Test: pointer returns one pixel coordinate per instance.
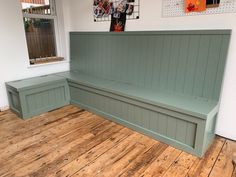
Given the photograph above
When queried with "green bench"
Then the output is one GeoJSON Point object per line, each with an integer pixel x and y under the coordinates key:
{"type": "Point", "coordinates": [163, 84]}
{"type": "Point", "coordinates": [191, 106]}
{"type": "Point", "coordinates": [187, 124]}
{"type": "Point", "coordinates": [30, 97]}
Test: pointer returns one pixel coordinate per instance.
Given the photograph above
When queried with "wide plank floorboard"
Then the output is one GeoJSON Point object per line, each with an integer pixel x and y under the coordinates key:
{"type": "Point", "coordinates": [73, 142]}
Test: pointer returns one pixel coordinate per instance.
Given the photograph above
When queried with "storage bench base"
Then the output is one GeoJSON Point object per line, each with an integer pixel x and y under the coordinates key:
{"type": "Point", "coordinates": [182, 131]}
{"type": "Point", "coordinates": [37, 98]}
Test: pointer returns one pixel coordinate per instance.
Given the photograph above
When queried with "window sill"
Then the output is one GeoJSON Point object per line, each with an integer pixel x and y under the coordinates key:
{"type": "Point", "coordinates": [45, 60]}
{"type": "Point", "coordinates": [47, 64]}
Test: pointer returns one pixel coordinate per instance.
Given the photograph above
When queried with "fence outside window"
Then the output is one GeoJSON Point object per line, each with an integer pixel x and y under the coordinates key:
{"type": "Point", "coordinates": [40, 24]}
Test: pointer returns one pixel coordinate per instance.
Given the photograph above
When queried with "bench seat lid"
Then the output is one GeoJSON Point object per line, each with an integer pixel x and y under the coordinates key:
{"type": "Point", "coordinates": [190, 105]}
{"type": "Point", "coordinates": [34, 82]}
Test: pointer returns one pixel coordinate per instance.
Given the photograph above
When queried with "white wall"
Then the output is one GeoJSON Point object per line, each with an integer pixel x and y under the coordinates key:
{"type": "Point", "coordinates": [14, 63]}
{"type": "Point", "coordinates": [151, 19]}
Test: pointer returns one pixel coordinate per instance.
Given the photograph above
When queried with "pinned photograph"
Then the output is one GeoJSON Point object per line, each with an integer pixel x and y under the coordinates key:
{"type": "Point", "coordinates": [212, 3]}
{"type": "Point", "coordinates": [130, 9]}
{"type": "Point", "coordinates": [101, 8]}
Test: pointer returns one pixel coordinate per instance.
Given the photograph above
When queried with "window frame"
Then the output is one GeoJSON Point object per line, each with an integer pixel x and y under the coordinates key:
{"type": "Point", "coordinates": [52, 16]}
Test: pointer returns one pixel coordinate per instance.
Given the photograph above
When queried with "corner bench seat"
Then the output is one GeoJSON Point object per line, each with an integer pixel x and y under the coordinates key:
{"type": "Point", "coordinates": [198, 107]}
{"type": "Point", "coordinates": [165, 84]}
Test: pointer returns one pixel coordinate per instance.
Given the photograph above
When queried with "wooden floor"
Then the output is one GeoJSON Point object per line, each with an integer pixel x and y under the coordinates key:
{"type": "Point", "coordinates": [73, 142]}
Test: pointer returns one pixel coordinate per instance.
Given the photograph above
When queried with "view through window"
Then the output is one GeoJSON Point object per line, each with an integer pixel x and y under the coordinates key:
{"type": "Point", "coordinates": [39, 22]}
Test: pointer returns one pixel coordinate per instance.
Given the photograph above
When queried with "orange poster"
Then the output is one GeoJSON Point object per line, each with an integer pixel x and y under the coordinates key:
{"type": "Point", "coordinates": [195, 5]}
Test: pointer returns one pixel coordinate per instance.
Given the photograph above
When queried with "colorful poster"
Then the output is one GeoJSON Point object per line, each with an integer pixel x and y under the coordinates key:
{"type": "Point", "coordinates": [120, 9]}
{"type": "Point", "coordinates": [195, 6]}
{"type": "Point", "coordinates": [116, 11]}
{"type": "Point", "coordinates": [118, 21]}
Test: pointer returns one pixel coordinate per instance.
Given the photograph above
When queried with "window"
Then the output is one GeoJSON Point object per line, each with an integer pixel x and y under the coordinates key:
{"type": "Point", "coordinates": [40, 22]}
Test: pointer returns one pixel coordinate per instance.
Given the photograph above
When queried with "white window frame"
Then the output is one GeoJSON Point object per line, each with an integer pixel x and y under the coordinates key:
{"type": "Point", "coordinates": [54, 17]}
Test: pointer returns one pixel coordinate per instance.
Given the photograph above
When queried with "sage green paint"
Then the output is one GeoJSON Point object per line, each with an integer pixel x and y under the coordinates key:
{"type": "Point", "coordinates": [189, 105]}
{"type": "Point", "coordinates": [164, 84]}
{"type": "Point", "coordinates": [30, 97]}
{"type": "Point", "coordinates": [179, 130]}
{"type": "Point", "coordinates": [185, 62]}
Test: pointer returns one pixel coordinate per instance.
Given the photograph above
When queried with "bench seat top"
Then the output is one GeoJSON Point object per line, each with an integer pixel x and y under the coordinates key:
{"type": "Point", "coordinates": [24, 84]}
{"type": "Point", "coordinates": [189, 105]}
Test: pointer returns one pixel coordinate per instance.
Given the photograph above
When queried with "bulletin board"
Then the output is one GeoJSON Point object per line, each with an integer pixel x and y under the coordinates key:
{"type": "Point", "coordinates": [175, 8]}
{"type": "Point", "coordinates": [135, 14]}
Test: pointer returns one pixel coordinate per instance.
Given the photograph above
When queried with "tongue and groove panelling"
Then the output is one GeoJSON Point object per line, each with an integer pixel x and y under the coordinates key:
{"type": "Point", "coordinates": [151, 122]}
{"type": "Point", "coordinates": [189, 63]}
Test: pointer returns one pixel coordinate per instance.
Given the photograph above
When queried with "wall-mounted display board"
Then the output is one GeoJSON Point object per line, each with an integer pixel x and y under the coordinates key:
{"type": "Point", "coordinates": [175, 8]}
{"type": "Point", "coordinates": [102, 9]}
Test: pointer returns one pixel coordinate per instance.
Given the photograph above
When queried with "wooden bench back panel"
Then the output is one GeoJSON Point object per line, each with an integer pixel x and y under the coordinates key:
{"type": "Point", "coordinates": [187, 62]}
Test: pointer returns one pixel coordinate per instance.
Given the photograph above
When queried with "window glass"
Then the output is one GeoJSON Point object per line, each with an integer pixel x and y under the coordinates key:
{"type": "Point", "coordinates": [40, 25]}
{"type": "Point", "coordinates": [40, 38]}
